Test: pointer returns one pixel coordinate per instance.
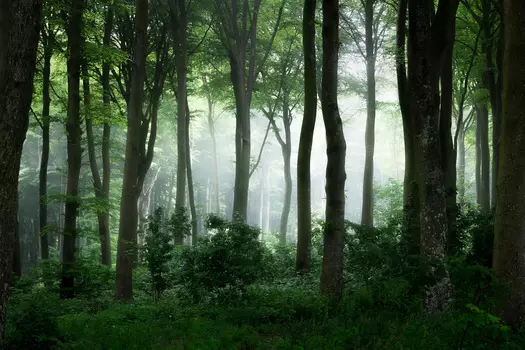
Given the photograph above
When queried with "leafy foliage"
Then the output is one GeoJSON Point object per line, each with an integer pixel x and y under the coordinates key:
{"type": "Point", "coordinates": [157, 252]}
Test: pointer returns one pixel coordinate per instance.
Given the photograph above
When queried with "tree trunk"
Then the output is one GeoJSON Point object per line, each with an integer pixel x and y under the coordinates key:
{"type": "Point", "coordinates": [103, 219]}
{"type": "Point", "coordinates": [286, 149]}
{"type": "Point", "coordinates": [367, 212]}
{"type": "Point", "coordinates": [46, 101]}
{"type": "Point", "coordinates": [332, 269]}
{"type": "Point", "coordinates": [509, 242]}
{"type": "Point", "coordinates": [74, 147]}
{"type": "Point", "coordinates": [127, 240]}
{"type": "Point", "coordinates": [191, 193]}
{"type": "Point", "coordinates": [482, 114]}
{"type": "Point", "coordinates": [304, 204]}
{"type": "Point", "coordinates": [242, 139]}
{"type": "Point", "coordinates": [411, 207]}
{"type": "Point", "coordinates": [478, 160]}
{"type": "Point", "coordinates": [497, 109]}
{"type": "Point", "coordinates": [215, 162]}
{"type": "Point", "coordinates": [428, 42]}
{"type": "Point", "coordinates": [461, 163]}
{"type": "Point", "coordinates": [448, 154]}
{"type": "Point", "coordinates": [179, 28]}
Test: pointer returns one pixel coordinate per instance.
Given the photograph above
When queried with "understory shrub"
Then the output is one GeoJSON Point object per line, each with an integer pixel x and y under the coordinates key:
{"type": "Point", "coordinates": [224, 263]}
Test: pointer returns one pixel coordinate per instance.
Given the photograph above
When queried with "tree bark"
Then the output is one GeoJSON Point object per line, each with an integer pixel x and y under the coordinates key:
{"type": "Point", "coordinates": [332, 269]}
{"type": "Point", "coordinates": [304, 204]}
{"type": "Point", "coordinates": [46, 101]}
{"type": "Point", "coordinates": [478, 160]}
{"type": "Point", "coordinates": [103, 219]}
{"type": "Point", "coordinates": [461, 163]}
{"type": "Point", "coordinates": [215, 162]}
{"type": "Point", "coordinates": [497, 108]}
{"type": "Point", "coordinates": [74, 147]}
{"type": "Point", "coordinates": [191, 193]}
{"type": "Point", "coordinates": [429, 36]}
{"type": "Point", "coordinates": [482, 114]}
{"type": "Point", "coordinates": [179, 28]}
{"type": "Point", "coordinates": [127, 240]}
{"type": "Point", "coordinates": [367, 212]}
{"type": "Point", "coordinates": [411, 207]}
{"type": "Point", "coordinates": [509, 236]}
{"type": "Point", "coordinates": [448, 154]}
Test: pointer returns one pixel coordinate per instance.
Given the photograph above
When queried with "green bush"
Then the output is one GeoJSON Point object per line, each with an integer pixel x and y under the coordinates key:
{"type": "Point", "coordinates": [157, 252]}
{"type": "Point", "coordinates": [32, 321]}
{"type": "Point", "coordinates": [223, 263]}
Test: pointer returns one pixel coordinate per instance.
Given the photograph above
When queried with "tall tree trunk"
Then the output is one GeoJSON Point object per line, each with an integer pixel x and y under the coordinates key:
{"type": "Point", "coordinates": [46, 101]}
{"type": "Point", "coordinates": [191, 193]}
{"type": "Point", "coordinates": [411, 207]}
{"type": "Point", "coordinates": [304, 204]}
{"type": "Point", "coordinates": [332, 269]}
{"type": "Point", "coordinates": [448, 154]}
{"type": "Point", "coordinates": [127, 239]}
{"type": "Point", "coordinates": [103, 219]}
{"type": "Point", "coordinates": [461, 163]}
{"type": "Point", "coordinates": [286, 149]}
{"type": "Point", "coordinates": [367, 212]}
{"type": "Point", "coordinates": [478, 160]}
{"type": "Point", "coordinates": [215, 162]}
{"type": "Point", "coordinates": [497, 109]}
{"type": "Point", "coordinates": [179, 19]}
{"type": "Point", "coordinates": [509, 236]}
{"type": "Point", "coordinates": [74, 147]}
{"type": "Point", "coordinates": [429, 39]}
{"type": "Point", "coordinates": [242, 139]}
{"type": "Point", "coordinates": [483, 121]}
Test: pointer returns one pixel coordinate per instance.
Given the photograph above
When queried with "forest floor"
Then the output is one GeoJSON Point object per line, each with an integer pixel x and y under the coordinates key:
{"type": "Point", "coordinates": [266, 317]}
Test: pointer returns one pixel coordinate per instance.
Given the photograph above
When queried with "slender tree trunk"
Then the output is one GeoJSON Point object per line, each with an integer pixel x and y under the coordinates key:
{"type": "Point", "coordinates": [448, 154]}
{"type": "Point", "coordinates": [304, 204]}
{"type": "Point", "coordinates": [497, 109]}
{"type": "Point", "coordinates": [367, 212]}
{"type": "Point", "coordinates": [74, 147]}
{"type": "Point", "coordinates": [103, 219]}
{"type": "Point", "coordinates": [46, 101]}
{"type": "Point", "coordinates": [411, 207]}
{"type": "Point", "coordinates": [483, 121]}
{"type": "Point", "coordinates": [267, 200]}
{"type": "Point", "coordinates": [332, 269]}
{"type": "Point", "coordinates": [461, 163]}
{"type": "Point", "coordinates": [509, 240]}
{"type": "Point", "coordinates": [286, 149]}
{"type": "Point", "coordinates": [179, 19]}
{"type": "Point", "coordinates": [478, 160]}
{"type": "Point", "coordinates": [242, 138]}
{"type": "Point", "coordinates": [127, 240]}
{"type": "Point", "coordinates": [215, 162]}
{"type": "Point", "coordinates": [191, 194]}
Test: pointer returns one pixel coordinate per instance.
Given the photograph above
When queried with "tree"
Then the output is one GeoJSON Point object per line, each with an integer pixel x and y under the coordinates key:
{"type": "Point", "coordinates": [509, 231]}
{"type": "Point", "coordinates": [430, 35]}
{"type": "Point", "coordinates": [127, 239]}
{"type": "Point", "coordinates": [74, 147]}
{"type": "Point", "coordinates": [179, 25]}
{"type": "Point", "coordinates": [238, 31]}
{"type": "Point", "coordinates": [101, 184]}
{"type": "Point", "coordinates": [48, 33]}
{"type": "Point", "coordinates": [332, 269]}
{"type": "Point", "coordinates": [304, 204]}
{"type": "Point", "coordinates": [375, 24]}
{"type": "Point", "coordinates": [279, 96]}
{"type": "Point", "coordinates": [19, 33]}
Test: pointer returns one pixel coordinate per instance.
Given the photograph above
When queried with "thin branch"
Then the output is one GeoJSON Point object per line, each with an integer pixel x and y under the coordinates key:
{"type": "Point", "coordinates": [260, 151]}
